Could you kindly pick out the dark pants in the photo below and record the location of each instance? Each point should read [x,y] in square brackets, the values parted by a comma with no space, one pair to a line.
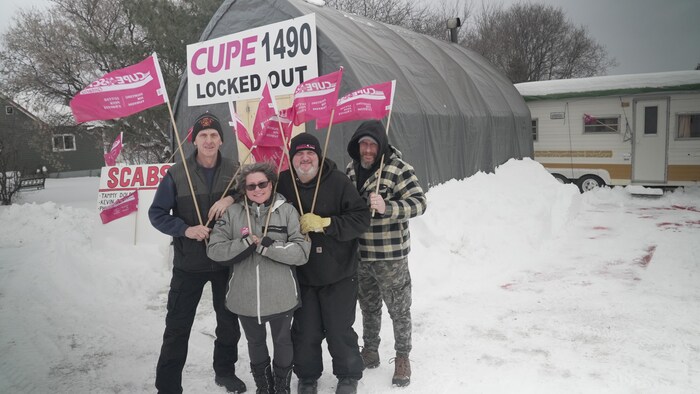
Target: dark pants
[185,292]
[327,312]
[281,332]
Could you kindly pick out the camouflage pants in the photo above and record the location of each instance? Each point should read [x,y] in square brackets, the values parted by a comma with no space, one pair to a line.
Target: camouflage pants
[390,282]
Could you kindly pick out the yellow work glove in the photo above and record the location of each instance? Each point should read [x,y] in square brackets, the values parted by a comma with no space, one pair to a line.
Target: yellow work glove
[311,222]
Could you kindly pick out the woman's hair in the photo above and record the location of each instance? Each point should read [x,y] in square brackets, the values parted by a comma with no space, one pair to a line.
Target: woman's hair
[265,167]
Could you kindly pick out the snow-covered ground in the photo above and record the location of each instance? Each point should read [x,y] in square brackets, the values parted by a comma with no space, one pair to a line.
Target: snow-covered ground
[521,285]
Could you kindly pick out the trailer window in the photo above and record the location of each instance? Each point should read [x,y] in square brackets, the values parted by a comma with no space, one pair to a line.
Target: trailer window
[689,126]
[601,124]
[534,129]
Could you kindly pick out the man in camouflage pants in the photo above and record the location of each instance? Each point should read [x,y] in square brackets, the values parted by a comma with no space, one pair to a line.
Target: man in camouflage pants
[383,273]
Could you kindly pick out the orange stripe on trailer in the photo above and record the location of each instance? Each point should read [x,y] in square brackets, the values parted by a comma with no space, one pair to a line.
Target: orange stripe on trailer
[687,173]
[616,171]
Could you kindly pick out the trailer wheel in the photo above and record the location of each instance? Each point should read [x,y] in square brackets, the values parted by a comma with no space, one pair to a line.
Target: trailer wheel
[589,182]
[561,178]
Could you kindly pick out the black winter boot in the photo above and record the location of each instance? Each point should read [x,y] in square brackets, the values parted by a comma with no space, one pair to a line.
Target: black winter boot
[283,378]
[346,386]
[262,374]
[231,382]
[307,386]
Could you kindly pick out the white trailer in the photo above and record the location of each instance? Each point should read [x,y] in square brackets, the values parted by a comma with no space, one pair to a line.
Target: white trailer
[640,129]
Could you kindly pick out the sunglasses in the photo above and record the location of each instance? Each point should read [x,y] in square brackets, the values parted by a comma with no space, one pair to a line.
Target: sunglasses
[252,186]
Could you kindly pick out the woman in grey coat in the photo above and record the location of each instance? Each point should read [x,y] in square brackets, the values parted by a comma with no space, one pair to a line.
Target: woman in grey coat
[260,239]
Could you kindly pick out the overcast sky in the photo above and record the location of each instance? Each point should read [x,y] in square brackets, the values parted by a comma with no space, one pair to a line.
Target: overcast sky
[642,35]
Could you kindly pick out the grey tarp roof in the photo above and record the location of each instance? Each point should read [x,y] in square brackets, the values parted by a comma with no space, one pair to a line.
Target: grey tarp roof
[454,114]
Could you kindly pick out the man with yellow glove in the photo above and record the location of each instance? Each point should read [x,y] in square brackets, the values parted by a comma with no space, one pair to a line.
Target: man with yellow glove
[328,286]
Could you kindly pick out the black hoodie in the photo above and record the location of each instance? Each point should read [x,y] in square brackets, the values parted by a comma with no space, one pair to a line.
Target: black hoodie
[333,254]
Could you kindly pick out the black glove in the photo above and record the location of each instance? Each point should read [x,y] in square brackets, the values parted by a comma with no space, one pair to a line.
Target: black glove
[265,243]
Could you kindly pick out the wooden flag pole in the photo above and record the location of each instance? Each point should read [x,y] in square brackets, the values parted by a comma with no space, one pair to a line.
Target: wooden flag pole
[381,162]
[247,213]
[178,147]
[274,192]
[323,160]
[289,161]
[184,163]
[136,222]
[233,178]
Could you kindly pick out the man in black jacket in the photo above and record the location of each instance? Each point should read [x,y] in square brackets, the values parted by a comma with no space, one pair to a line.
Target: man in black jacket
[328,283]
[192,269]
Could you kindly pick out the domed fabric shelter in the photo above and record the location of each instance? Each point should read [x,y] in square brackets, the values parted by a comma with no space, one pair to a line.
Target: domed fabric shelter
[454,114]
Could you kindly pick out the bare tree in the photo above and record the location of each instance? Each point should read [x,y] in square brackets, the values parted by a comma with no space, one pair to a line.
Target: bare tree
[533,42]
[47,57]
[429,19]
[394,12]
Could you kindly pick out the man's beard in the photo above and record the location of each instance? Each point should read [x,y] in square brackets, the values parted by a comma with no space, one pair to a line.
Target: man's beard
[310,173]
[366,164]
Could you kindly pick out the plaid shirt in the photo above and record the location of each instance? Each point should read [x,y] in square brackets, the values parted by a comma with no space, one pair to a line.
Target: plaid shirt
[388,237]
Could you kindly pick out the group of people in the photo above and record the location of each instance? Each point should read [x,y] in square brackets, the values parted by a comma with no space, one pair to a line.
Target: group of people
[295,251]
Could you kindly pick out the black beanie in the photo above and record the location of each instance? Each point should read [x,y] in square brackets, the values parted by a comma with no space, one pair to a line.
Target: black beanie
[206,121]
[304,141]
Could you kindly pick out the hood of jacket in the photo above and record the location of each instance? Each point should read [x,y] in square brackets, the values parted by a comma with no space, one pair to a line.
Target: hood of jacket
[374,129]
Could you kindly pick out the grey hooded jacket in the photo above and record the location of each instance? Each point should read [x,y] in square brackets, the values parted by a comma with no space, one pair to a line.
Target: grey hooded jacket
[263,283]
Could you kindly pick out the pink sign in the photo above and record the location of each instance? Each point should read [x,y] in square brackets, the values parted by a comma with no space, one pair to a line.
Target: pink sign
[121,207]
[121,93]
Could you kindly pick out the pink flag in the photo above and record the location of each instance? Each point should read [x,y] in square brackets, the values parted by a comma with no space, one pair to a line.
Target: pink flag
[266,129]
[370,102]
[121,93]
[111,156]
[239,128]
[316,97]
[271,154]
[588,119]
[121,207]
[266,110]
[269,144]
[270,134]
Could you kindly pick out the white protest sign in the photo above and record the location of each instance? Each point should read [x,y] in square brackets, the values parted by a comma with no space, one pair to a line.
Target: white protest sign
[119,181]
[236,66]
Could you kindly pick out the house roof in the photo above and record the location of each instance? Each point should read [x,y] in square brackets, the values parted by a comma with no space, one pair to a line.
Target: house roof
[20,108]
[612,85]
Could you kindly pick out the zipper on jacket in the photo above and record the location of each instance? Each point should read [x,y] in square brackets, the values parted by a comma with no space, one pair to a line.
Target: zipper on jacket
[257,287]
